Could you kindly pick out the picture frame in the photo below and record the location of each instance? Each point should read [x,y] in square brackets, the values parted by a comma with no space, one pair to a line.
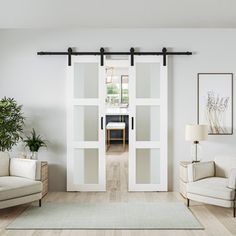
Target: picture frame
[215,102]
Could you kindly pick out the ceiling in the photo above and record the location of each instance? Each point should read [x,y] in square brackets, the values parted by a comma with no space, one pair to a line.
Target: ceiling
[118,13]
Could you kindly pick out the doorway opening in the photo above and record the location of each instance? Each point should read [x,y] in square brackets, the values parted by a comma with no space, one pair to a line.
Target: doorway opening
[117,120]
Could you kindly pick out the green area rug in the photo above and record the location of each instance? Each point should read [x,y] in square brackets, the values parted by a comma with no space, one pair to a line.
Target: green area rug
[158,215]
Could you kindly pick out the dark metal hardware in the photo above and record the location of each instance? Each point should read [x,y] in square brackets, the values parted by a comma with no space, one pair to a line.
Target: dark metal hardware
[102,53]
[132,123]
[70,51]
[164,50]
[101,123]
[102,56]
[132,56]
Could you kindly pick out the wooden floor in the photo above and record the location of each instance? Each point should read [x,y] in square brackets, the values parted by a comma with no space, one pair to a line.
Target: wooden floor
[216,220]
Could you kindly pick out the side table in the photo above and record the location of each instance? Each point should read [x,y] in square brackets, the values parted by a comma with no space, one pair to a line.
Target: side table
[44,177]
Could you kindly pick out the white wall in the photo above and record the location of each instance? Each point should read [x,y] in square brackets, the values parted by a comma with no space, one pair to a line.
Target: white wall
[38,82]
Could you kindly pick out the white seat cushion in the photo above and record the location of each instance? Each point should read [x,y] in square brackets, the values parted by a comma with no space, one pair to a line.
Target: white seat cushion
[25,168]
[14,187]
[214,187]
[116,125]
[4,164]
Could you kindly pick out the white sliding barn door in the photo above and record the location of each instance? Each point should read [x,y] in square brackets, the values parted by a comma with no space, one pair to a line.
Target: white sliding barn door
[148,124]
[86,125]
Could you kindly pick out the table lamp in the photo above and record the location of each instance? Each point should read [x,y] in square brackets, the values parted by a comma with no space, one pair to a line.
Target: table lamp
[196,133]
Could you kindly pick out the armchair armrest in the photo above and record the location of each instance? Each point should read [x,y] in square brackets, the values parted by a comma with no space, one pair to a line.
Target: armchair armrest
[25,168]
[232,179]
[200,170]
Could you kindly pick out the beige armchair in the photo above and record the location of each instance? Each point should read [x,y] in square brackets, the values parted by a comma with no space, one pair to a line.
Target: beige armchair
[19,181]
[213,182]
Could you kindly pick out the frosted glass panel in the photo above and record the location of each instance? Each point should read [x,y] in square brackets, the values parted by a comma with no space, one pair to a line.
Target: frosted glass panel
[147,80]
[85,80]
[86,166]
[147,123]
[147,166]
[85,123]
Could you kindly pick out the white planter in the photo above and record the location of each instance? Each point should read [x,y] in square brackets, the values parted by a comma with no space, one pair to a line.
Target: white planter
[34,155]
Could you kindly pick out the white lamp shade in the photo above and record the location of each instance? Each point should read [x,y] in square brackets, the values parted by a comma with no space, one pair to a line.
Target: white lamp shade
[196,132]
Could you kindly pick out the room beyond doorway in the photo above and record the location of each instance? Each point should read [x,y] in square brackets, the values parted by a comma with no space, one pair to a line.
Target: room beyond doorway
[117,102]
[117,169]
[117,123]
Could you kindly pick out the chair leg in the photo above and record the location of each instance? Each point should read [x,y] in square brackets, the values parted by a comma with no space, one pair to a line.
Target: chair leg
[234,210]
[40,202]
[188,202]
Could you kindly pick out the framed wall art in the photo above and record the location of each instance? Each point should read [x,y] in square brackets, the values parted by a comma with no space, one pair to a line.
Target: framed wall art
[215,102]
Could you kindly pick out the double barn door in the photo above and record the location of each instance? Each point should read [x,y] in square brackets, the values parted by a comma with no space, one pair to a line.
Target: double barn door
[147,165]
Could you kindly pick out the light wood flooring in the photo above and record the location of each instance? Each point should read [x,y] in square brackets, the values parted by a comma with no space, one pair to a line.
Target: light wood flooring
[216,220]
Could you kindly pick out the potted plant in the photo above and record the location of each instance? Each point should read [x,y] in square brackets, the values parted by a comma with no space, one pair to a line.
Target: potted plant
[11,123]
[34,142]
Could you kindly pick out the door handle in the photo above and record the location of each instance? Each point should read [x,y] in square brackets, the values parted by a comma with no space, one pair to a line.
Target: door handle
[102,123]
[132,123]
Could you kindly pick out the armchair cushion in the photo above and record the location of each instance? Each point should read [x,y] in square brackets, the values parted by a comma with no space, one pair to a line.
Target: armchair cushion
[200,170]
[25,168]
[15,187]
[4,163]
[232,179]
[214,187]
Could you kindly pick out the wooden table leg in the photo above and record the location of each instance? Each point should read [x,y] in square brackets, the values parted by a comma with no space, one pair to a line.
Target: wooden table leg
[109,142]
[124,139]
[107,139]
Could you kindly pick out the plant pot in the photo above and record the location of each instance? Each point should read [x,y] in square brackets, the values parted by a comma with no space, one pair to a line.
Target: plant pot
[34,155]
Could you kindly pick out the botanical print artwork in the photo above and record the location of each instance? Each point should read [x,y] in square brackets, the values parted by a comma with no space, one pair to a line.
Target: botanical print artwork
[216,107]
[215,102]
